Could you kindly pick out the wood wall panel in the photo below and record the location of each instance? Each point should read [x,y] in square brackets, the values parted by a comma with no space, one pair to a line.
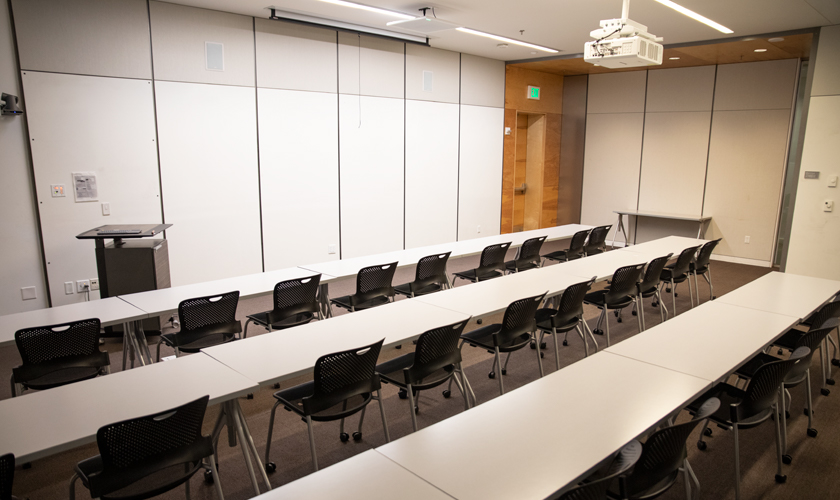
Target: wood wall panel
[508,171]
[517,81]
[551,170]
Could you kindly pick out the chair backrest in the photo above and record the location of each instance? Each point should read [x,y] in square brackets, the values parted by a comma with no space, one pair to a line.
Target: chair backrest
[684,261]
[436,349]
[206,311]
[342,375]
[430,270]
[374,281]
[135,448]
[624,283]
[653,273]
[664,451]
[597,490]
[519,319]
[705,254]
[296,296]
[812,341]
[43,344]
[763,387]
[826,313]
[597,239]
[571,303]
[7,476]
[529,252]
[493,258]
[576,246]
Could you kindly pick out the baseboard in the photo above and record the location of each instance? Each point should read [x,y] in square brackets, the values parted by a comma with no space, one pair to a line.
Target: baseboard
[741,260]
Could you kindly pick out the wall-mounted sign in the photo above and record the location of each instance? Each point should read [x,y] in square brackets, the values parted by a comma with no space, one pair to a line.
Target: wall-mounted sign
[533,92]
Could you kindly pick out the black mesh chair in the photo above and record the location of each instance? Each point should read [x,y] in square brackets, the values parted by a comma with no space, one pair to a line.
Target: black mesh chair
[514,333]
[566,317]
[146,456]
[597,242]
[596,487]
[373,288]
[649,287]
[429,276]
[490,265]
[750,407]
[295,303]
[700,266]
[435,361]
[343,385]
[7,476]
[205,322]
[575,250]
[621,293]
[825,318]
[528,256]
[677,273]
[58,355]
[664,456]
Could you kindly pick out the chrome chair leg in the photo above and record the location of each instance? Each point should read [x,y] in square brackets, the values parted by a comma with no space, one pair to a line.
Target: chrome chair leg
[382,414]
[556,349]
[539,357]
[410,391]
[737,464]
[216,482]
[312,442]
[498,362]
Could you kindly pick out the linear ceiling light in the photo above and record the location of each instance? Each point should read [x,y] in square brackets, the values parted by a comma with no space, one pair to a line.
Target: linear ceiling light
[508,40]
[695,16]
[354,5]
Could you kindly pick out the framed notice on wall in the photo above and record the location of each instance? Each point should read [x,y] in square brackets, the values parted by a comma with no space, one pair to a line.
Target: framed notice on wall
[84,186]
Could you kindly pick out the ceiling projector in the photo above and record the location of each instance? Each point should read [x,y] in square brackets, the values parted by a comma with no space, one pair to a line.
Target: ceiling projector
[623,43]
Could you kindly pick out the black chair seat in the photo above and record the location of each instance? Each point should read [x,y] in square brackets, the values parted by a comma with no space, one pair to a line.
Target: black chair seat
[652,492]
[392,372]
[484,337]
[511,266]
[669,271]
[196,340]
[473,275]
[598,298]
[264,319]
[562,256]
[148,486]
[544,321]
[62,377]
[728,395]
[789,339]
[405,289]
[650,292]
[292,399]
[344,302]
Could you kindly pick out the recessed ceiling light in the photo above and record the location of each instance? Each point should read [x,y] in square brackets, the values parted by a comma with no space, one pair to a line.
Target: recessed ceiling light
[776,40]
[502,45]
[695,16]
[368,8]
[748,39]
[505,39]
[760,50]
[673,58]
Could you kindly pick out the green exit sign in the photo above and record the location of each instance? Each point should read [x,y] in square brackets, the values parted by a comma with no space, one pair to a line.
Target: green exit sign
[533,92]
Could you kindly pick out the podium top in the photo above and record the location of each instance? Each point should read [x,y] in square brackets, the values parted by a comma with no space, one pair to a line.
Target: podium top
[120,231]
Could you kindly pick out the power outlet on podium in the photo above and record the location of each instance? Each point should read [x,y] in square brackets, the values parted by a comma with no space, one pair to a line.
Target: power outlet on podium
[94,283]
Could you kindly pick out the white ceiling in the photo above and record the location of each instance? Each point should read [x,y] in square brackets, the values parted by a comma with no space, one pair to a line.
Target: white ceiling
[559,24]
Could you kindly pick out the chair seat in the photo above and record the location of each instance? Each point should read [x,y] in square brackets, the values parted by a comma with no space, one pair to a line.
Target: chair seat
[472,275]
[484,337]
[652,492]
[344,302]
[405,289]
[789,339]
[593,251]
[292,399]
[145,487]
[598,298]
[545,321]
[562,256]
[650,292]
[750,367]
[391,371]
[728,395]
[669,271]
[62,377]
[511,265]
[699,270]
[264,319]
[192,343]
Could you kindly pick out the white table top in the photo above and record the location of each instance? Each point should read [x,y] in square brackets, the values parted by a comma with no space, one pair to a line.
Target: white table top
[464,248]
[110,311]
[664,246]
[784,293]
[708,342]
[366,476]
[42,423]
[602,265]
[283,354]
[664,215]
[166,300]
[546,434]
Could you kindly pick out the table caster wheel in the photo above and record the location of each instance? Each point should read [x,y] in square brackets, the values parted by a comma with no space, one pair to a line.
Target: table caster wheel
[780,479]
[447,393]
[806,412]
[835,362]
[270,467]
[812,432]
[654,304]
[27,465]
[402,394]
[634,313]
[825,392]
[830,381]
[416,410]
[398,347]
[478,322]
[786,459]
[208,477]
[598,331]
[344,437]
[277,385]
[249,396]
[491,375]
[565,342]
[618,319]
[707,432]
[667,290]
[787,414]
[357,436]
[504,372]
[542,354]
[701,445]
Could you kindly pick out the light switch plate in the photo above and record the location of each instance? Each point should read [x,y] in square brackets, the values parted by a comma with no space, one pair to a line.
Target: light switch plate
[57,190]
[828,206]
[68,288]
[832,181]
[106,208]
[331,249]
[28,293]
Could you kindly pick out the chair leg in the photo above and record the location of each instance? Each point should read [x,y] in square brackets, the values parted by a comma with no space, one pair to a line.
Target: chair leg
[499,373]
[691,292]
[641,311]
[674,295]
[783,410]
[696,287]
[382,414]
[460,384]
[312,442]
[469,389]
[737,463]
[158,353]
[591,335]
[607,325]
[663,311]
[73,486]
[539,357]
[14,391]
[811,430]
[709,279]
[780,478]
[556,349]
[187,486]
[639,316]
[215,471]
[270,433]
[584,339]
[411,409]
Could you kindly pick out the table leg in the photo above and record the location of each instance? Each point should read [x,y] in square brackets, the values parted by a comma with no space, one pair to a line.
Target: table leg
[618,227]
[324,299]
[232,417]
[133,342]
[141,338]
[252,446]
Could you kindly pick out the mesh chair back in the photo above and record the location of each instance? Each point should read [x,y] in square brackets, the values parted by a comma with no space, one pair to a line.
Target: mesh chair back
[436,349]
[49,343]
[492,258]
[7,476]
[597,490]
[624,283]
[576,246]
[810,341]
[664,451]
[597,240]
[684,261]
[826,313]
[571,303]
[529,252]
[430,270]
[341,375]
[518,319]
[201,312]
[296,296]
[705,254]
[763,387]
[374,281]
[653,273]
[133,449]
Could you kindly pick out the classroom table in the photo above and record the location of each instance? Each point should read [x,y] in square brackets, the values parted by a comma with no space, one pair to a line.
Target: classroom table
[664,246]
[701,220]
[784,293]
[366,476]
[602,266]
[43,423]
[548,434]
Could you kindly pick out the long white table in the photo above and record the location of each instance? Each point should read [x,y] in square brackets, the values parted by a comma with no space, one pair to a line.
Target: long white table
[701,220]
[783,293]
[547,434]
[664,246]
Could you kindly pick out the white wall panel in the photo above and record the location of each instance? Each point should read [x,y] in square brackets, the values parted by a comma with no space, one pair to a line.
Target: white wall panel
[372,176]
[482,81]
[827,69]
[431,173]
[208,162]
[445,67]
[378,65]
[611,165]
[757,85]
[617,93]
[178,37]
[296,57]
[298,176]
[680,89]
[89,124]
[480,183]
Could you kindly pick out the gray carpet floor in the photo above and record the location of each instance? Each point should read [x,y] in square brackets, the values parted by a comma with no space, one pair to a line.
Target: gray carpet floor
[813,474]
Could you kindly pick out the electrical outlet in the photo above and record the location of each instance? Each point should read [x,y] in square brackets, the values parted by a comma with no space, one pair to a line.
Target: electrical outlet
[68,288]
[106,209]
[28,293]
[331,249]
[94,283]
[828,206]
[82,285]
[478,230]
[747,240]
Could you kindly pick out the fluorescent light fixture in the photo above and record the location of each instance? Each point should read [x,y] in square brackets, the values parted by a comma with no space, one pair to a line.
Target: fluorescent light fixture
[695,16]
[368,8]
[673,58]
[760,50]
[508,40]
